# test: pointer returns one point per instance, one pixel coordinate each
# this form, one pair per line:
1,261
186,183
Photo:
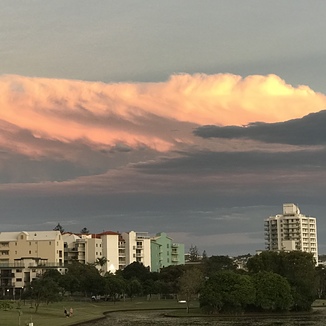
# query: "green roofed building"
164,252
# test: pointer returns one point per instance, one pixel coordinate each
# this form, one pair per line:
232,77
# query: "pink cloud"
108,114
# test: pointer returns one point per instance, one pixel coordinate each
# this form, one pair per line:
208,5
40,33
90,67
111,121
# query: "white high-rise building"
138,247
291,231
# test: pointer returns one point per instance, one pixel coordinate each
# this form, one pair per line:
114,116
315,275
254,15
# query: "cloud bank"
103,116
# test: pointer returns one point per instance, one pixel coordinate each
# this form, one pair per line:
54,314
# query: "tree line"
271,281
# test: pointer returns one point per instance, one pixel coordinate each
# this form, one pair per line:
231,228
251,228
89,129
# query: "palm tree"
101,261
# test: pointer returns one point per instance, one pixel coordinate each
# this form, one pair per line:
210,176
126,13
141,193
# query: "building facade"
164,252
25,255
113,250
291,231
82,248
137,247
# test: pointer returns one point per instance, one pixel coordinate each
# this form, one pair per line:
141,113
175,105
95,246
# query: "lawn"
53,314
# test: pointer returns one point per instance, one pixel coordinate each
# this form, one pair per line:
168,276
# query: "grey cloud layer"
310,130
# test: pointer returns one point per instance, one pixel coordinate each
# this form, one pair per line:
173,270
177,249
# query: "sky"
194,118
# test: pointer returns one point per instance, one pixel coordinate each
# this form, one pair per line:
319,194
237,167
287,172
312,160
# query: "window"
19,270
18,279
50,243
29,251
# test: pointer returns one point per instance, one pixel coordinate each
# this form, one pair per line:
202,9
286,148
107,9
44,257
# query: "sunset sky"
194,118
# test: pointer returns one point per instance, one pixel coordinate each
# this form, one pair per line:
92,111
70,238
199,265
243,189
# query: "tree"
43,289
268,261
84,231
84,278
273,292
218,263
136,270
54,274
193,254
115,285
101,262
190,284
133,288
321,281
70,283
296,266
210,299
229,292
299,270
170,276
59,228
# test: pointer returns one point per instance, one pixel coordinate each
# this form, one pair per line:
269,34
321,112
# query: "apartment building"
113,246
25,255
83,248
291,231
137,247
164,252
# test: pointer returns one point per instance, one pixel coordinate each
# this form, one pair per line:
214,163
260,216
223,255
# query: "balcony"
46,265
11,265
142,235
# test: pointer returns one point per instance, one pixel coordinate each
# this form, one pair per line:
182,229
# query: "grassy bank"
53,314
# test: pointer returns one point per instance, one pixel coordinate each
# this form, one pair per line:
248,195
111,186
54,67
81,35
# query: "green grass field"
53,314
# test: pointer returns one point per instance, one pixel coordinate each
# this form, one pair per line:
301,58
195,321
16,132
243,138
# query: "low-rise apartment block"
24,255
164,252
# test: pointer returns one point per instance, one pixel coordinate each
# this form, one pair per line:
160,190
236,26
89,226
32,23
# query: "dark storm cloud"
309,130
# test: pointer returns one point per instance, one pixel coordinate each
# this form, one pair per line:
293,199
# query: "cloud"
142,114
309,130
64,129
